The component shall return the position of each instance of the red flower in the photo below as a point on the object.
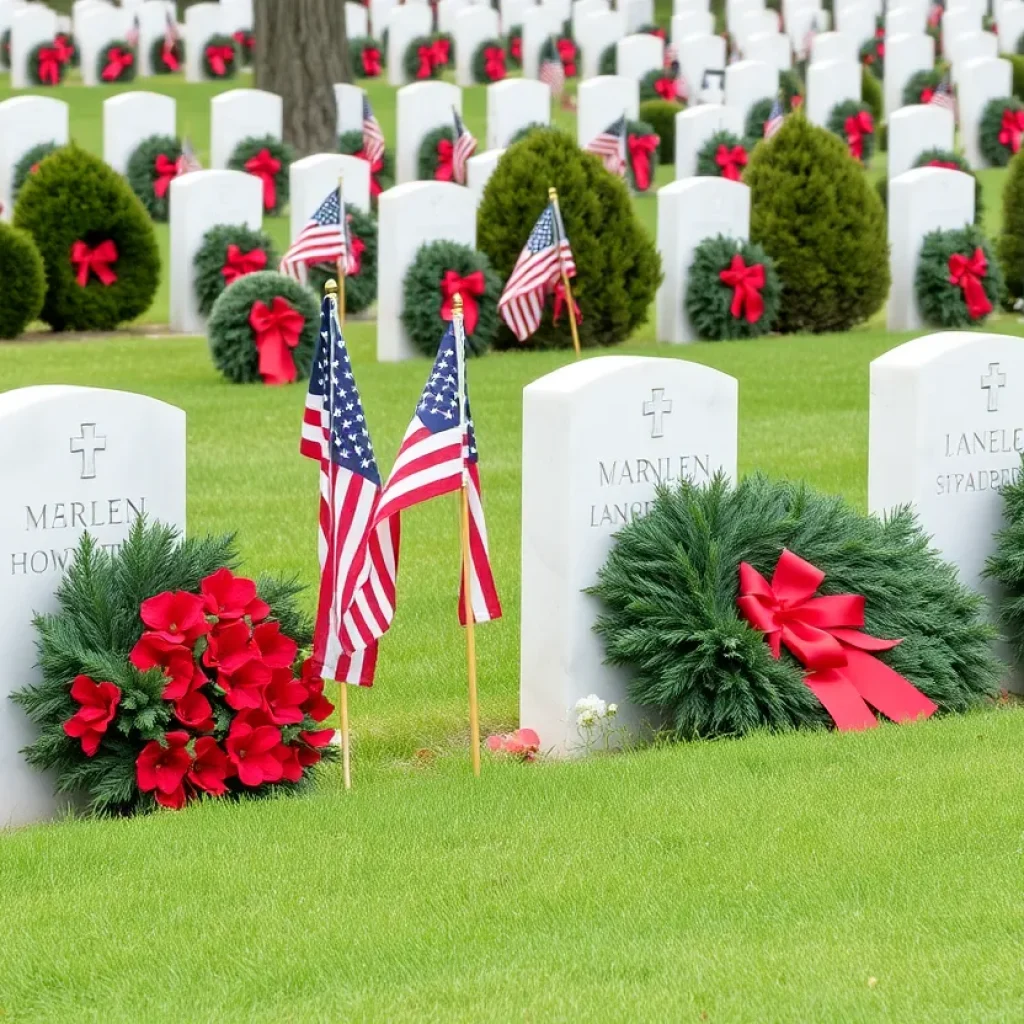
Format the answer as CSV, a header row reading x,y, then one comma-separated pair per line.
x,y
283,698
317,739
278,650
98,706
210,767
226,595
317,706
175,617
252,753
195,711
244,688
231,646
163,769
523,743
291,763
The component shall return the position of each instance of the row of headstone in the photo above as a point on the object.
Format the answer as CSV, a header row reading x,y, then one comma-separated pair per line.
x,y
26,122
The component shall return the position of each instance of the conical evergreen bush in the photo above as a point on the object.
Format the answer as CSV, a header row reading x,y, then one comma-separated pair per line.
x,y
1010,247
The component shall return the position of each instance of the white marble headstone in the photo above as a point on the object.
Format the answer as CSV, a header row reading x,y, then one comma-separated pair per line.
x,y
349,101
421,107
970,46
405,24
152,15
771,48
905,55
513,104
904,21
696,55
749,81
638,13
98,27
380,11
833,46
130,117
357,20
238,114
595,34
25,122
830,82
202,22
584,8
30,25
695,126
914,130
479,169
755,23
236,16
312,178
539,23
637,55
512,14
473,26
692,23
603,100
856,19
981,80
1011,26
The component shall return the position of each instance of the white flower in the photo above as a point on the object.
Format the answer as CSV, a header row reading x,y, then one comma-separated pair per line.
x,y
586,718
613,710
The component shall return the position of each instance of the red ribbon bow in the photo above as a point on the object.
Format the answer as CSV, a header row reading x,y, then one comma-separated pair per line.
x,y
949,164
237,263
667,88
219,57
441,52
641,150
560,301
856,127
494,63
49,66
65,51
1011,129
825,635
967,272
117,61
445,167
169,57
470,288
277,331
356,249
515,47
746,283
659,32
94,261
567,55
166,171
371,62
265,166
731,160
927,93
426,56
376,166
244,39
796,101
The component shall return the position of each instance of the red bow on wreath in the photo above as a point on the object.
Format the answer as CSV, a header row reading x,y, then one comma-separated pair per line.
x,y
49,66
376,166
856,127
65,51
356,249
824,635
246,40
426,67
371,62
949,164
118,61
967,272
219,57
666,88
1011,129
265,166
641,150
277,330
746,283
441,52
731,160
237,263
166,171
445,170
926,94
659,32
567,55
515,47
795,102
494,63
470,287
96,261
169,58
560,301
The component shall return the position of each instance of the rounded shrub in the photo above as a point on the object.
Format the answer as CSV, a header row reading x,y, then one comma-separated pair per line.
x,y
1010,246
661,116
227,252
367,57
361,279
618,267
76,204
166,60
382,173
268,159
151,169
116,63
234,339
817,216
22,281
957,282
526,131
29,164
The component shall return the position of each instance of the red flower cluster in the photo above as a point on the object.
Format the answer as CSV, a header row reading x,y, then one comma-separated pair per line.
x,y
523,744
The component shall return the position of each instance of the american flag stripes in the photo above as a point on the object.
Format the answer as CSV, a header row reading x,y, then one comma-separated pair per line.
x,y
552,74
464,148
373,137
188,161
131,37
775,118
546,253
610,146
324,239
943,96
171,34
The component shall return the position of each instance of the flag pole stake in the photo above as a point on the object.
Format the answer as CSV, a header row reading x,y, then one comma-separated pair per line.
x,y
570,301
332,289
342,268
467,577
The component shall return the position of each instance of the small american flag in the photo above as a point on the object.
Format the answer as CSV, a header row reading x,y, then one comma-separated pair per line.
x,y
943,96
188,161
464,148
171,35
551,72
812,31
131,37
775,118
373,137
539,267
334,433
323,240
610,146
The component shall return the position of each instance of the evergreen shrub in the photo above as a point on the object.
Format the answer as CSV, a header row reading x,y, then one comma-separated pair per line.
x,y
29,164
22,281
661,116
1010,246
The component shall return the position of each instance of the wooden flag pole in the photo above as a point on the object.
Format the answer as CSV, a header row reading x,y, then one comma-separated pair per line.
x,y
570,301
467,572
342,270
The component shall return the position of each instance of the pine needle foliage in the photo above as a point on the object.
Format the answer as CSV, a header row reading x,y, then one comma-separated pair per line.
x,y
994,146
943,303
661,116
1006,566
29,164
669,592
1010,245
22,281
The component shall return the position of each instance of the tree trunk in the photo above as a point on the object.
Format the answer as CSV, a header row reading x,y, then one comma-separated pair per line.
x,y
301,52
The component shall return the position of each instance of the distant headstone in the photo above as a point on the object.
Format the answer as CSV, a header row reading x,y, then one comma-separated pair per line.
x,y
904,21
638,13
587,472
421,107
236,16
856,19
152,15
312,178
695,125
601,101
755,23
691,23
513,104
539,24
748,82
771,48
981,80
913,131
30,25
26,121
446,11
238,114
405,24
380,11
696,55
584,8
512,13
479,169
833,46
800,21
905,55
202,22
357,20
75,460
349,102
130,117
970,46
689,6
474,25
958,21
1011,26
596,32
830,82
98,27
637,55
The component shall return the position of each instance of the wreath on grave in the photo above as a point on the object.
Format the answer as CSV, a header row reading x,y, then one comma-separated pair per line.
x,y
661,84
712,597
382,171
1001,130
435,160
609,62
166,677
724,155
643,152
733,291
116,63
757,118
440,270
515,46
268,159
872,56
152,166
952,161
22,281
564,48
489,62
851,120
958,282
29,164
44,65
921,86
5,50
264,326
1005,566
361,279
245,40
64,43
166,60
367,57
220,57
424,58
661,116
228,252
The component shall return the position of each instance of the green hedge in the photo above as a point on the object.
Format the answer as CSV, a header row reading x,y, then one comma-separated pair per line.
x,y
661,116
22,281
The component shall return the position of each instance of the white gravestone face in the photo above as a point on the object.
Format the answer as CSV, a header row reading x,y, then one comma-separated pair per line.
x,y
513,12
479,169
637,55
26,121
411,215
856,20
513,104
202,21
97,28
380,11
981,80
755,23
1011,26
771,48
30,25
695,126
595,34
598,437
833,46
692,23
830,82
75,460
312,178
583,8
638,13
921,200
539,23
602,101
903,21
152,15
690,211
349,101
199,201
799,23
446,11
689,6
357,20
421,108
130,117
737,10
955,23
239,113
913,131
405,24
905,55
749,81
970,46
236,16
473,26
696,55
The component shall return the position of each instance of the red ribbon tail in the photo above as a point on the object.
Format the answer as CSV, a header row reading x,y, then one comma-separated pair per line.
x,y
841,700
274,362
885,689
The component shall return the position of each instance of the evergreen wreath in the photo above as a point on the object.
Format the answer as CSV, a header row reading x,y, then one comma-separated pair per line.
x,y
444,42
660,84
367,57
1006,565
792,86
268,159
733,291
433,276
921,86
724,155
429,164
29,164
245,38
5,50
670,588
116,63
65,43
958,282
565,49
220,57
653,30
851,120
515,46
360,284
150,170
1001,130
166,62
22,281
422,60
44,65
382,175
753,126
608,64
872,56
642,155
489,62
235,342
227,252
167,678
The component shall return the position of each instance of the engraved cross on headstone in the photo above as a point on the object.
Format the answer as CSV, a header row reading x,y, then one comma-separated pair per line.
x,y
657,408
992,383
87,446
